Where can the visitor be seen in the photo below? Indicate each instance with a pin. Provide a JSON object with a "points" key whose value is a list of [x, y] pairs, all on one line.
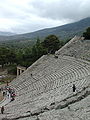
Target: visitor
{"points": [[0, 89], [7, 83], [2, 109], [74, 87], [4, 93], [12, 98]]}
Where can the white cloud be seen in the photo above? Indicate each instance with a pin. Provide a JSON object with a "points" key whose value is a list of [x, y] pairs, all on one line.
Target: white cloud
{"points": [[31, 15], [8, 24], [34, 23]]}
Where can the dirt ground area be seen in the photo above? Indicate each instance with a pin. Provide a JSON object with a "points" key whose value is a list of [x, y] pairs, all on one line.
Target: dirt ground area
{"points": [[3, 85], [1, 97], [5, 77]]}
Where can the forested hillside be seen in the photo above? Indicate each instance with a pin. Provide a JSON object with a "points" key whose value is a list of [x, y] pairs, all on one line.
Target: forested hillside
{"points": [[25, 56]]}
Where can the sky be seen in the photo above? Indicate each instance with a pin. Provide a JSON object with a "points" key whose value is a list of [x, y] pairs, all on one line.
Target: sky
{"points": [[23, 16]]}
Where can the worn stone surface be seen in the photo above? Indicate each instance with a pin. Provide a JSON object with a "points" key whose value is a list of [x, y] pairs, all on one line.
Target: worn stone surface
{"points": [[44, 90], [77, 47]]}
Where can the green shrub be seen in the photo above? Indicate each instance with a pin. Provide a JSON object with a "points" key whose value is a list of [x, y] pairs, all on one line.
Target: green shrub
{"points": [[12, 69]]}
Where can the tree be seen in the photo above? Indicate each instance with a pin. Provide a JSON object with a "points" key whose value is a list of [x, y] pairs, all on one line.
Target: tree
{"points": [[30, 55], [87, 33], [11, 56], [7, 56], [38, 50], [52, 43], [3, 56], [19, 56], [2, 60]]}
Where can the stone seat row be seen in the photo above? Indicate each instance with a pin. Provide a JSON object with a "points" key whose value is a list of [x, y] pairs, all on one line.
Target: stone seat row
{"points": [[24, 79], [24, 107], [58, 85], [81, 72], [78, 84]]}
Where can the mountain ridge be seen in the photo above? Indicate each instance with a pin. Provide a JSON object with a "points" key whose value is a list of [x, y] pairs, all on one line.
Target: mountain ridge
{"points": [[2, 33], [63, 32]]}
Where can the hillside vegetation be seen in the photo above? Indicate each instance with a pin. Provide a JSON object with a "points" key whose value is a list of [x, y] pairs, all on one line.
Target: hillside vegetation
{"points": [[13, 56], [63, 32]]}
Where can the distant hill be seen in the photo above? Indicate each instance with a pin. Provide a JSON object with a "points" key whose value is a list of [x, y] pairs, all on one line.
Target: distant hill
{"points": [[64, 32], [6, 33]]}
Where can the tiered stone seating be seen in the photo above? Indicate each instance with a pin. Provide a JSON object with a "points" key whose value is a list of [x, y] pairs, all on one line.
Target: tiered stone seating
{"points": [[76, 47], [51, 81], [48, 79]]}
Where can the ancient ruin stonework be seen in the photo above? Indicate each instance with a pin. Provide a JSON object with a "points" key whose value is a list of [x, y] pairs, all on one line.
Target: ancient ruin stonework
{"points": [[20, 70], [44, 90]]}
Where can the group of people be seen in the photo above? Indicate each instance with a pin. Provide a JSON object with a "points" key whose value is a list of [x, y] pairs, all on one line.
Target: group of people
{"points": [[12, 94], [9, 93]]}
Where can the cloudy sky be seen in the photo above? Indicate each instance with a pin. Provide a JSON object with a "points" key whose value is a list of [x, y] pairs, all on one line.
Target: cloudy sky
{"points": [[22, 16]]}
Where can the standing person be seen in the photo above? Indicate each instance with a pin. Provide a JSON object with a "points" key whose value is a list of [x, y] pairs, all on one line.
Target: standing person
{"points": [[7, 83], [0, 89], [2, 109], [8, 94], [74, 87], [4, 93]]}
